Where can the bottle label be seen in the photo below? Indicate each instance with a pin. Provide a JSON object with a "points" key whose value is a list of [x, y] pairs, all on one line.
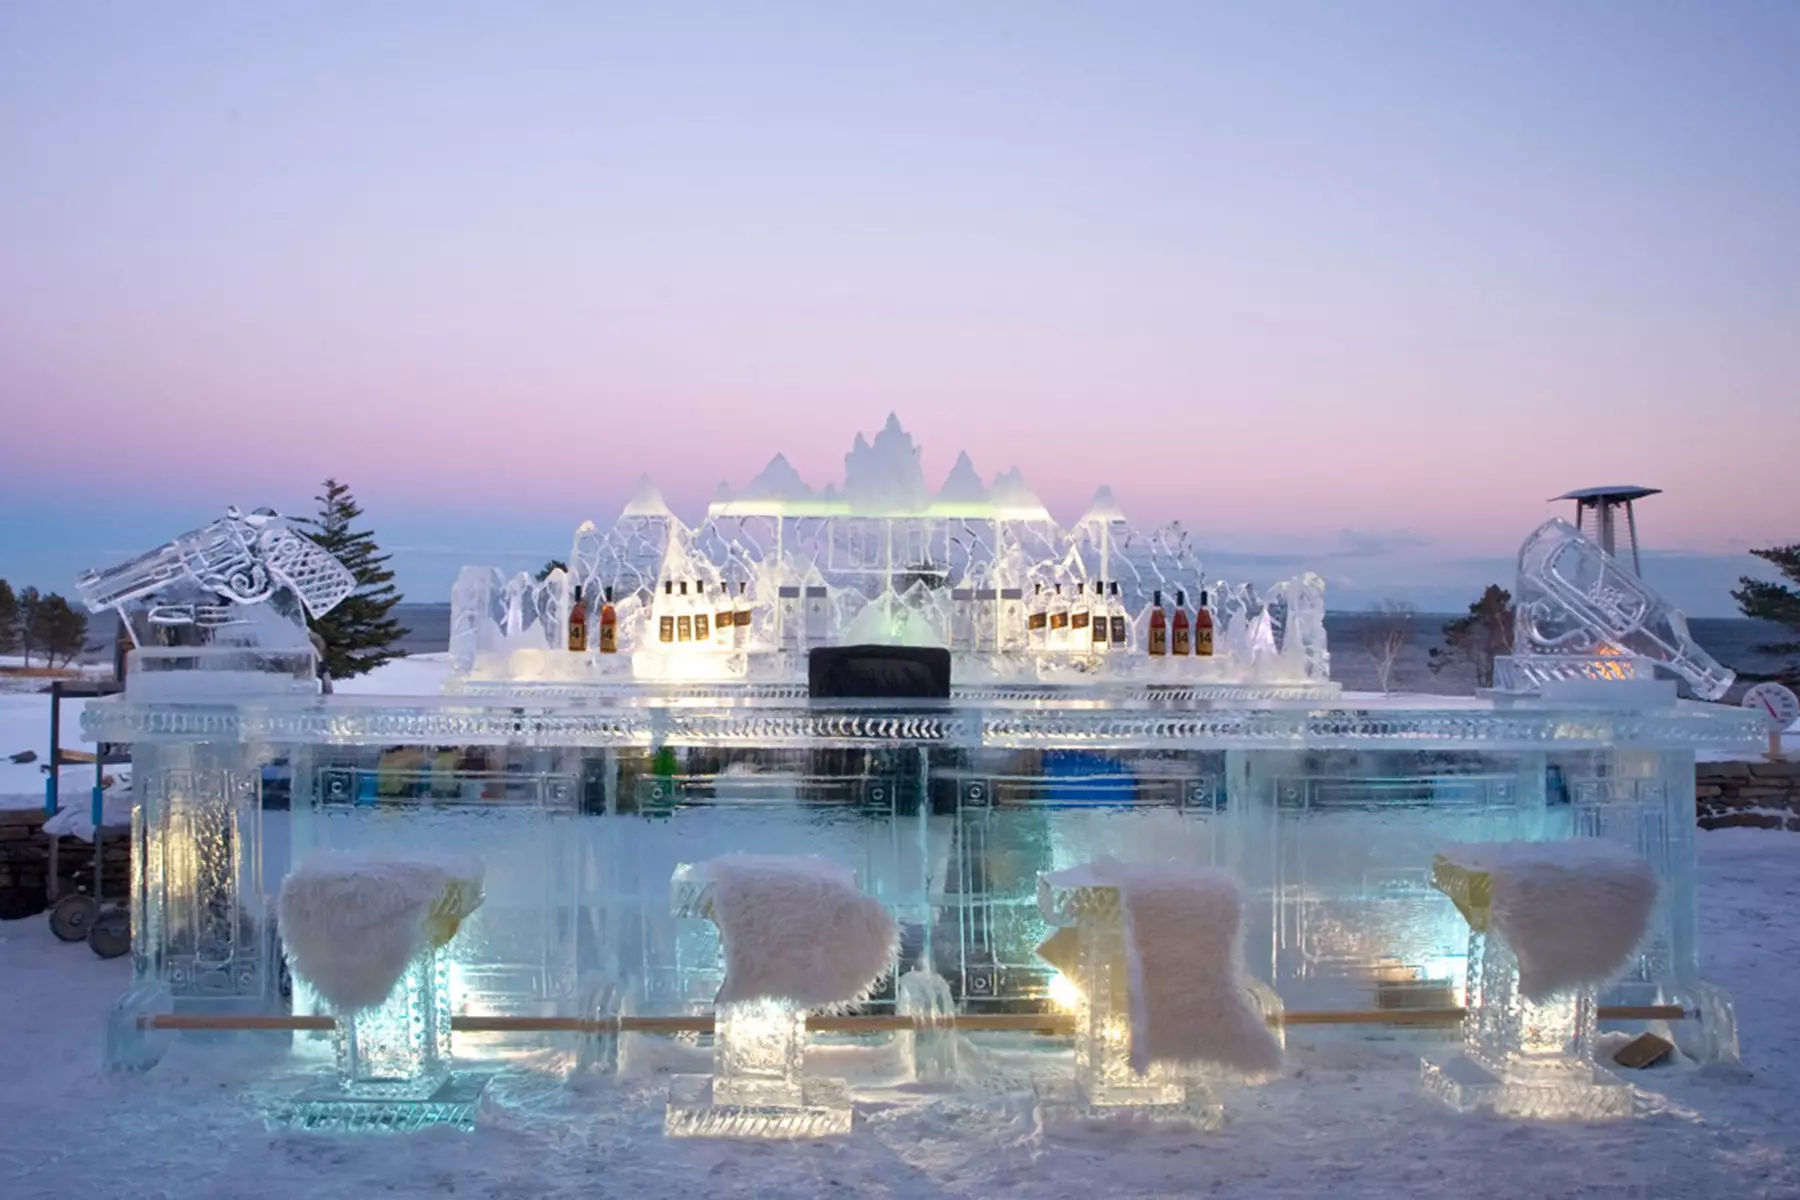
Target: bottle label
{"points": [[1080, 619], [1181, 640], [742, 617], [1118, 630], [609, 637], [684, 628], [724, 619], [1203, 645], [702, 627], [1059, 620], [1159, 639], [578, 636], [1100, 630], [665, 629], [1039, 620]]}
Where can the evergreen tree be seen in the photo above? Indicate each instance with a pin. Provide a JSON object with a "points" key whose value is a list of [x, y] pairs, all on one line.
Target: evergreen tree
{"points": [[9, 619], [30, 621], [359, 634], [62, 629], [1774, 601], [555, 564], [1480, 637]]}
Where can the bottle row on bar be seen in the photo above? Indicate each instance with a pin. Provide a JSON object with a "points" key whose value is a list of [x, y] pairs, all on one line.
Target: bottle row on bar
{"points": [[981, 621]]}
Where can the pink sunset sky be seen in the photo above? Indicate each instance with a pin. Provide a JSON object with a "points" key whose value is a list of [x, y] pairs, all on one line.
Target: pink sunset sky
{"points": [[1362, 284]]}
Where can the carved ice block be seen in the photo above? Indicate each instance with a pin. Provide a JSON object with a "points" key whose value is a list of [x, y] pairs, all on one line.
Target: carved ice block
{"points": [[1089, 950], [400, 1049], [757, 1088], [1519, 1057], [933, 1040]]}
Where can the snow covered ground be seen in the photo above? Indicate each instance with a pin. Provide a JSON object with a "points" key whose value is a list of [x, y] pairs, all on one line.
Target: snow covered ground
{"points": [[1347, 1120]]}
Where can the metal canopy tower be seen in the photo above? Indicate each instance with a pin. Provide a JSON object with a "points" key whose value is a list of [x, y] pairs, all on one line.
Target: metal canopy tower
{"points": [[1597, 516]]}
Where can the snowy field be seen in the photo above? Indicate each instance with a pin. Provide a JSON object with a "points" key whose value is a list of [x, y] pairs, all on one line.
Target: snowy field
{"points": [[1347, 1119]]}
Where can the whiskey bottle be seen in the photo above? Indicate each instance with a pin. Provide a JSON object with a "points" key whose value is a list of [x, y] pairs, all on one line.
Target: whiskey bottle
{"points": [[1012, 620], [962, 619], [609, 626], [724, 619], [1159, 628], [1182, 642], [1080, 619], [1121, 635], [740, 615], [1203, 628], [788, 616], [684, 617], [818, 616], [1059, 621], [578, 624], [665, 617]]}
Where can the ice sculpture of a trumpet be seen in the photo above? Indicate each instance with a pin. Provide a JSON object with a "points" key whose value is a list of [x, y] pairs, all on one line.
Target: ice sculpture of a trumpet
{"points": [[1581, 614]]}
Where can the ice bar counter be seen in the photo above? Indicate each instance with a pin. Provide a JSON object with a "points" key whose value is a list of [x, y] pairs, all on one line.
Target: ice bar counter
{"points": [[528, 868]]}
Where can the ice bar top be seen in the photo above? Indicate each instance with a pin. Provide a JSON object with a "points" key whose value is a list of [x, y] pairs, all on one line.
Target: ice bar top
{"points": [[642, 717]]}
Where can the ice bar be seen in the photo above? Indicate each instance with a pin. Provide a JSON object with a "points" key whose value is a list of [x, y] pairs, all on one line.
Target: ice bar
{"points": [[585, 769]]}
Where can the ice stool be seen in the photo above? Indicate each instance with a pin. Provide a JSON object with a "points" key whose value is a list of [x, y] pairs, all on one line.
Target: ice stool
{"points": [[370, 935], [1152, 950], [1549, 924], [797, 936]]}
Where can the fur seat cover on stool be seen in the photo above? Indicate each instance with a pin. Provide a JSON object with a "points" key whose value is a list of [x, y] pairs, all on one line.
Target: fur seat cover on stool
{"points": [[1189, 993], [350, 923], [1572, 912], [797, 929]]}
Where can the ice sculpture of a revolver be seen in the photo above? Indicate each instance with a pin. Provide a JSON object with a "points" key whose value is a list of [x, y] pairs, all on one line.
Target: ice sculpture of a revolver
{"points": [[207, 585], [1580, 614]]}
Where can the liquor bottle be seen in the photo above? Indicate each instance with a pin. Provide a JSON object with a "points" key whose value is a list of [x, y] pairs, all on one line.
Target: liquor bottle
{"points": [[788, 617], [665, 617], [1100, 638], [702, 615], [1121, 635], [1080, 619], [962, 619], [1183, 643], [1159, 628], [987, 617], [609, 626], [1059, 621], [1037, 624], [1203, 628], [818, 616], [684, 617], [578, 624], [1012, 620], [724, 619], [740, 615]]}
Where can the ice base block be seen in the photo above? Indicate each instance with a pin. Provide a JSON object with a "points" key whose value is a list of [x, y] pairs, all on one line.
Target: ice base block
{"points": [[1581, 1092], [1191, 1106], [330, 1108], [821, 1109]]}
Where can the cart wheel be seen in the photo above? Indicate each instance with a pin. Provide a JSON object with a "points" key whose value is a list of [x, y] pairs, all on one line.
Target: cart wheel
{"points": [[110, 934], [73, 916]]}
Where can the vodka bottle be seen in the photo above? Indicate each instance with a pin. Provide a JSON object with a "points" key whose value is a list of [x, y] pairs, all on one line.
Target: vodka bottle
{"points": [[702, 615], [609, 626], [788, 617], [1159, 628], [1203, 628], [987, 617], [962, 619], [1059, 621], [818, 616], [684, 618], [1012, 620], [665, 615], [1100, 632], [1080, 620], [1181, 643], [1121, 627], [1037, 624]]}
